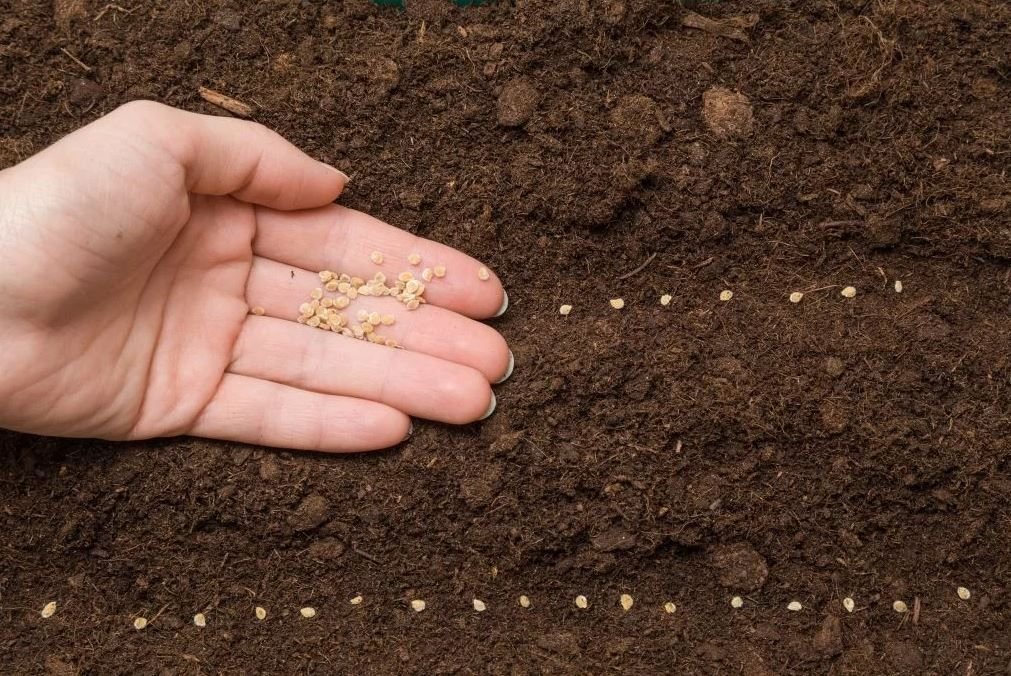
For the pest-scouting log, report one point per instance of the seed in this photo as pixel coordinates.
(261, 613)
(376, 257)
(405, 277)
(964, 594)
(49, 609)
(794, 606)
(313, 322)
(479, 606)
(898, 286)
(332, 285)
(300, 320)
(356, 601)
(347, 333)
(392, 343)
(900, 606)
(849, 292)
(258, 311)
(356, 282)
(305, 309)
(368, 328)
(308, 612)
(565, 310)
(669, 607)
(726, 295)
(617, 303)
(796, 297)
(413, 304)
(418, 605)
(358, 331)
(414, 258)
(344, 277)
(626, 602)
(524, 601)
(341, 302)
(439, 271)
(343, 287)
(325, 276)
(139, 623)
(387, 320)
(666, 299)
(483, 274)
(352, 293)
(426, 274)
(326, 302)
(200, 620)
(848, 604)
(365, 290)
(581, 601)
(316, 294)
(321, 313)
(412, 286)
(736, 602)
(363, 315)
(375, 319)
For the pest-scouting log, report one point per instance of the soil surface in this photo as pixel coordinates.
(690, 453)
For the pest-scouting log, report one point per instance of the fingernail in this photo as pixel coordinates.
(509, 370)
(505, 305)
(410, 431)
(346, 177)
(491, 407)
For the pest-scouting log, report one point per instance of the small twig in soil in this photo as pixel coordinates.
(640, 268)
(76, 60)
(158, 614)
(233, 106)
(364, 555)
(105, 9)
(916, 610)
(704, 263)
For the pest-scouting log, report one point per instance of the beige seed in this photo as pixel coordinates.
(326, 302)
(326, 276)
(581, 602)
(376, 257)
(258, 311)
(363, 315)
(343, 287)
(390, 342)
(666, 299)
(439, 271)
(325, 325)
(413, 304)
(626, 602)
(387, 320)
(261, 613)
(374, 337)
(341, 302)
(356, 282)
(200, 620)
(524, 601)
(344, 277)
(480, 606)
(669, 607)
(365, 290)
(426, 274)
(796, 297)
(849, 292)
(313, 322)
(414, 259)
(332, 285)
(418, 605)
(726, 295)
(794, 606)
(347, 333)
(358, 331)
(849, 604)
(964, 593)
(140, 623)
(49, 609)
(300, 320)
(352, 293)
(405, 277)
(617, 303)
(368, 328)
(357, 601)
(375, 318)
(305, 309)
(412, 286)
(321, 313)
(308, 612)
(898, 286)
(483, 274)
(565, 310)
(900, 606)
(316, 294)
(736, 602)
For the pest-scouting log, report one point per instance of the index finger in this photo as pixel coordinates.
(336, 238)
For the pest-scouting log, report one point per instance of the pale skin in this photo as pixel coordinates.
(131, 254)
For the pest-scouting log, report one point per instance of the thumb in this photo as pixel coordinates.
(225, 156)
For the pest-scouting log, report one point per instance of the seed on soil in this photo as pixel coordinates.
(200, 620)
(49, 609)
(617, 303)
(900, 606)
(726, 295)
(480, 606)
(669, 607)
(439, 271)
(524, 601)
(898, 286)
(964, 594)
(258, 311)
(261, 613)
(418, 605)
(626, 602)
(414, 259)
(376, 257)
(849, 604)
(356, 601)
(794, 606)
(581, 601)
(426, 274)
(316, 294)
(483, 274)
(736, 602)
(849, 292)
(565, 310)
(308, 612)
(666, 299)
(140, 623)
(796, 297)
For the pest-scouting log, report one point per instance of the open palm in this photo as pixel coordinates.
(132, 252)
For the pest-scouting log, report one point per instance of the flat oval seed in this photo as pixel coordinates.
(49, 609)
(617, 303)
(325, 276)
(480, 606)
(414, 258)
(306, 310)
(200, 620)
(964, 593)
(261, 613)
(412, 286)
(308, 612)
(898, 286)
(794, 606)
(736, 602)
(849, 292)
(524, 601)
(356, 601)
(426, 274)
(139, 623)
(666, 299)
(418, 605)
(376, 257)
(316, 294)
(669, 607)
(796, 297)
(565, 310)
(848, 604)
(483, 274)
(439, 271)
(362, 315)
(413, 304)
(900, 606)
(341, 302)
(332, 285)
(387, 320)
(626, 602)
(581, 601)
(405, 277)
(258, 311)
(726, 295)
(375, 318)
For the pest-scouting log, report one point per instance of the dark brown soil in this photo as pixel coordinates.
(793, 452)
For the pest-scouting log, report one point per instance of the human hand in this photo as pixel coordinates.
(131, 252)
